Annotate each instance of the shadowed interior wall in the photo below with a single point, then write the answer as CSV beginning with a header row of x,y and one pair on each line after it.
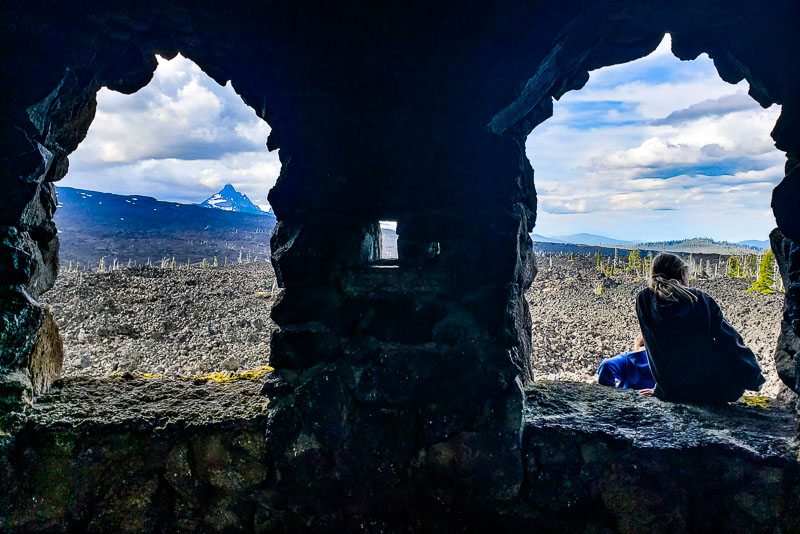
x,y
417,113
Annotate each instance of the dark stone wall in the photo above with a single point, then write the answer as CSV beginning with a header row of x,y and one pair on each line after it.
x,y
604,460
126,455
787,351
419,356
171,455
408,372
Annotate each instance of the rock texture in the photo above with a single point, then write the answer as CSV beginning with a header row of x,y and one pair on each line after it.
x,y
605,460
179,321
581,317
165,321
141,455
787,352
138,455
414,113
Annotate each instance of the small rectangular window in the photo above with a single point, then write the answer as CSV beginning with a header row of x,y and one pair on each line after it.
x,y
389,240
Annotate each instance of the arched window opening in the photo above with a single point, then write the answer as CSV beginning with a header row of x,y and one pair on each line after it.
x,y
650,156
164,228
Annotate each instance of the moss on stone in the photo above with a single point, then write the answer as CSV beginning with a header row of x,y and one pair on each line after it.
x,y
755,401
220,376
251,374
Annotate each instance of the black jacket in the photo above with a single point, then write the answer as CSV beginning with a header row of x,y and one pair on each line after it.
x,y
695,354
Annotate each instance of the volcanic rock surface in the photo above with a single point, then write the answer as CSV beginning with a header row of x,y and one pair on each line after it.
x,y
173,321
576,324
179,321
192,455
378,111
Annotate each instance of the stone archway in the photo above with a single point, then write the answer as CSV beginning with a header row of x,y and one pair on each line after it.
x,y
634,35
396,399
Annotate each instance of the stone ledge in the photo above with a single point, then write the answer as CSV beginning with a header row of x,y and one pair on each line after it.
x,y
147,455
648,423
138,455
604,460
136,401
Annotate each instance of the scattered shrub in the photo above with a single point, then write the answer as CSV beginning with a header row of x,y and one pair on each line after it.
x,y
766,275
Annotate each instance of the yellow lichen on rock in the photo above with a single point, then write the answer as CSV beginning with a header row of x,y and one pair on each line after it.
x,y
149,376
755,401
228,376
220,376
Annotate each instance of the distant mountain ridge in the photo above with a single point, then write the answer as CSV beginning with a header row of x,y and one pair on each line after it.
x,y
592,239
581,239
92,225
755,243
229,199
697,244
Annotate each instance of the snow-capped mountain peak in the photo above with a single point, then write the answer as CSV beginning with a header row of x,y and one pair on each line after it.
x,y
229,199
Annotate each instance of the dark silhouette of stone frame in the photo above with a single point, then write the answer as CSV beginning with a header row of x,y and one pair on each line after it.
x,y
398,394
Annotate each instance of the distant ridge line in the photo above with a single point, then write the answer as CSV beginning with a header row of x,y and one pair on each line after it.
x,y
694,244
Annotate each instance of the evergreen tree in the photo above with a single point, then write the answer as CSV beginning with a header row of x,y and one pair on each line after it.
x,y
733,267
634,262
766,275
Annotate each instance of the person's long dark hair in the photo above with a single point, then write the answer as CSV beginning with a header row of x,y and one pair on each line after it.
x,y
666,272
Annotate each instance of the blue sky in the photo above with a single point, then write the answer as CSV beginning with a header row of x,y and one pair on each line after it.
x,y
654,149
657,149
180,138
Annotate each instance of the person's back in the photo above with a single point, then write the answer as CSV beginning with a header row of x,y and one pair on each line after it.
x,y
695,354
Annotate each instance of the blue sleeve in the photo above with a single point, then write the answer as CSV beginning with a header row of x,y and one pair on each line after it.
x,y
611,370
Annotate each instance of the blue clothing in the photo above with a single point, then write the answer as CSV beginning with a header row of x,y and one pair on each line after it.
x,y
630,368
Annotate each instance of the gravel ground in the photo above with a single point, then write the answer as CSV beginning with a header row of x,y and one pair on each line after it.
x,y
576,326
164,321
217,318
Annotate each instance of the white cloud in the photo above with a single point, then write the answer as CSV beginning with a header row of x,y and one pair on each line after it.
x,y
657,149
652,149
180,138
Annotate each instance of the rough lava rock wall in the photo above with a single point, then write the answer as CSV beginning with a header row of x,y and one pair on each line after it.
x,y
787,351
415,113
145,455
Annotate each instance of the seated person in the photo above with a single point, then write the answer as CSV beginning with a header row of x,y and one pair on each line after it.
x,y
695,354
629,370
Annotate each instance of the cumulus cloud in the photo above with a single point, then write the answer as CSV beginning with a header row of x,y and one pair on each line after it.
x,y
180,138
657,149
707,145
